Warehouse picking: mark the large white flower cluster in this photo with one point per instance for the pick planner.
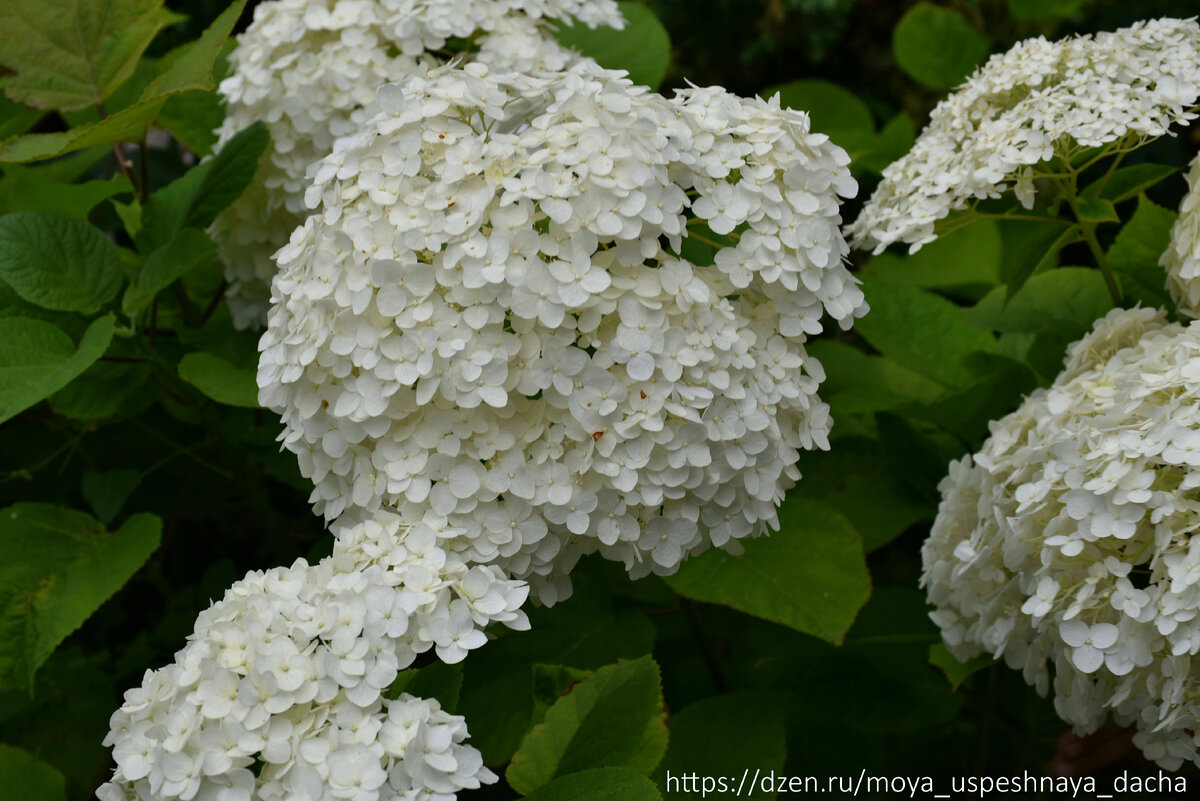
(1023, 107)
(1071, 537)
(280, 692)
(309, 70)
(1182, 256)
(486, 321)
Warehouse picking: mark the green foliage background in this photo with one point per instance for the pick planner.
(138, 478)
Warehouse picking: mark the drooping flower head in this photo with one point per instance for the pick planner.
(309, 70)
(1071, 537)
(489, 320)
(290, 672)
(1023, 108)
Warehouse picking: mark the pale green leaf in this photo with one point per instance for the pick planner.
(24, 776)
(220, 380)
(193, 118)
(1096, 210)
(190, 66)
(598, 784)
(58, 262)
(642, 48)
(57, 566)
(937, 46)
(69, 54)
(37, 359)
(614, 718)
(810, 575)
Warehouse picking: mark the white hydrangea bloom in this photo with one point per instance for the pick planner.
(1071, 536)
(1182, 256)
(309, 70)
(290, 669)
(1023, 107)
(486, 321)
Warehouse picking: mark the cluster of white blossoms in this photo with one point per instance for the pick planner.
(1182, 256)
(487, 320)
(281, 691)
(1024, 107)
(1071, 537)
(309, 70)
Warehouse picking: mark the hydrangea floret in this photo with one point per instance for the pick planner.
(282, 690)
(309, 70)
(1040, 104)
(1181, 259)
(488, 320)
(1070, 538)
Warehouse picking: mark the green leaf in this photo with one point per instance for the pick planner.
(104, 390)
(106, 491)
(729, 736)
(642, 48)
(859, 382)
(220, 380)
(1128, 182)
(190, 66)
(57, 566)
(1067, 300)
(911, 456)
(130, 215)
(26, 777)
(612, 719)
(70, 54)
(188, 249)
(956, 672)
(893, 141)
(833, 110)
(598, 784)
(921, 331)
(937, 46)
(128, 124)
(193, 118)
(1045, 9)
(1095, 210)
(16, 118)
(196, 199)
(551, 682)
(57, 262)
(966, 260)
(1030, 246)
(24, 189)
(1134, 254)
(436, 680)
(37, 359)
(810, 575)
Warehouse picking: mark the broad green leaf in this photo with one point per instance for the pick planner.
(37, 359)
(191, 65)
(106, 491)
(998, 387)
(859, 382)
(810, 575)
(1134, 254)
(921, 331)
(937, 46)
(130, 215)
(833, 110)
(57, 566)
(58, 262)
(956, 672)
(642, 48)
(584, 633)
(196, 199)
(614, 718)
(1030, 246)
(436, 680)
(551, 682)
(1045, 9)
(187, 249)
(733, 737)
(16, 118)
(104, 390)
(28, 778)
(1128, 182)
(598, 784)
(893, 141)
(911, 456)
(128, 124)
(965, 260)
(193, 118)
(24, 189)
(1096, 210)
(69, 54)
(220, 380)
(1066, 300)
